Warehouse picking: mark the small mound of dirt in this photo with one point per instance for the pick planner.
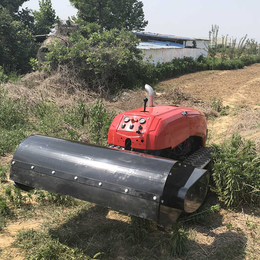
(178, 97)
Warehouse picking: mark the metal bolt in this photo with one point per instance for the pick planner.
(100, 184)
(126, 190)
(184, 166)
(154, 197)
(53, 172)
(170, 173)
(179, 164)
(162, 201)
(75, 178)
(13, 162)
(201, 188)
(32, 167)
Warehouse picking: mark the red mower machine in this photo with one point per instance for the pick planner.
(154, 167)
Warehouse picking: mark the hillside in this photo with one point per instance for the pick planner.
(83, 230)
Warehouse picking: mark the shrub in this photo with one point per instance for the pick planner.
(99, 120)
(106, 61)
(236, 171)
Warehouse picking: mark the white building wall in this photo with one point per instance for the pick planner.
(166, 55)
(200, 44)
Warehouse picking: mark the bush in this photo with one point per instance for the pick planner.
(105, 61)
(236, 171)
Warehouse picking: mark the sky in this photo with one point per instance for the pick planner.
(190, 18)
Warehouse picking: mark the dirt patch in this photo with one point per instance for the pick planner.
(7, 238)
(232, 86)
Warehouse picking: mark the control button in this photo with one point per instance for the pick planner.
(131, 126)
(140, 127)
(142, 120)
(123, 125)
(126, 119)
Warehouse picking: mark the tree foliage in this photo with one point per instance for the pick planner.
(16, 44)
(106, 60)
(12, 5)
(112, 14)
(45, 17)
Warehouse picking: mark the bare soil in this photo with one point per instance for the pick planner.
(238, 89)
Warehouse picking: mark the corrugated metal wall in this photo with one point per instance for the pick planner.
(166, 55)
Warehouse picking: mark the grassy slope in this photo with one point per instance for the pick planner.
(45, 226)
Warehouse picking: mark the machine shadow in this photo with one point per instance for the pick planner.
(119, 237)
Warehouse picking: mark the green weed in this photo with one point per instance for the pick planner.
(202, 215)
(15, 196)
(4, 210)
(9, 140)
(75, 115)
(99, 120)
(236, 171)
(3, 171)
(138, 230)
(179, 238)
(13, 113)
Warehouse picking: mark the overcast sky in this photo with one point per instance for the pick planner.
(190, 18)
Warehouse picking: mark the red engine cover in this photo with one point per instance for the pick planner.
(157, 128)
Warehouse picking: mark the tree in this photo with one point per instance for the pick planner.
(17, 44)
(23, 15)
(44, 18)
(27, 18)
(112, 14)
(12, 5)
(104, 61)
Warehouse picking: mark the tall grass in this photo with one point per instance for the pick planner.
(236, 172)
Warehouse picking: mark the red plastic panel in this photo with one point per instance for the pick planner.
(165, 126)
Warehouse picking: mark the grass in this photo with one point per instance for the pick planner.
(3, 172)
(72, 229)
(18, 120)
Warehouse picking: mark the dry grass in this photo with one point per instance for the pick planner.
(57, 87)
(178, 97)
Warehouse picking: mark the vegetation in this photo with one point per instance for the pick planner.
(107, 60)
(102, 56)
(118, 14)
(44, 18)
(17, 44)
(236, 172)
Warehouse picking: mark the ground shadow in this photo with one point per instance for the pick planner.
(121, 238)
